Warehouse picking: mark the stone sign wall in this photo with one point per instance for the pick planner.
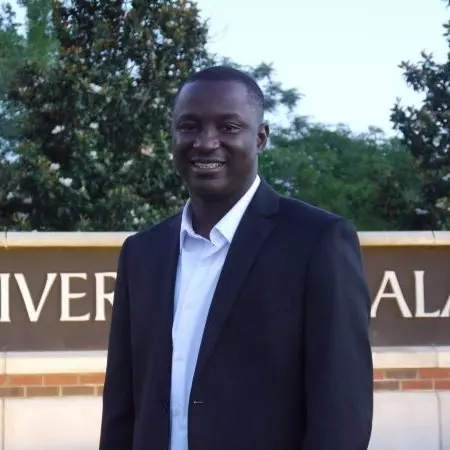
(55, 297)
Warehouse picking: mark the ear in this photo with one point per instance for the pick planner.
(263, 136)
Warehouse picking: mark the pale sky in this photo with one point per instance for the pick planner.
(342, 55)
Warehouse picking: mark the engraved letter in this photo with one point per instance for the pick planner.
(397, 294)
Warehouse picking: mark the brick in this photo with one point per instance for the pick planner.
(442, 385)
(78, 390)
(378, 374)
(92, 378)
(417, 385)
(386, 385)
(25, 380)
(401, 374)
(42, 391)
(434, 373)
(63, 379)
(12, 391)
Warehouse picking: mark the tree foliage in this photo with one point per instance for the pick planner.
(426, 133)
(19, 44)
(366, 178)
(11, 55)
(87, 92)
(95, 128)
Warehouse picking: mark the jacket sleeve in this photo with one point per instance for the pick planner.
(118, 407)
(338, 358)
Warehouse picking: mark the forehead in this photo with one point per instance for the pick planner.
(214, 98)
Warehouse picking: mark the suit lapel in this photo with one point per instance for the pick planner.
(253, 230)
(165, 281)
(167, 258)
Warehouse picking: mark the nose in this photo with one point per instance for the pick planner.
(207, 140)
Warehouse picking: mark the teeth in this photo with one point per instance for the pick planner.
(201, 165)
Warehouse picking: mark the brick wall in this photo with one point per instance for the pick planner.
(426, 379)
(51, 385)
(91, 384)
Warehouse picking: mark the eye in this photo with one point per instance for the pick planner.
(187, 126)
(231, 128)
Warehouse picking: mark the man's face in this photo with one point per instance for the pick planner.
(217, 137)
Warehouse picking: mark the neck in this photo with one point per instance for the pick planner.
(207, 212)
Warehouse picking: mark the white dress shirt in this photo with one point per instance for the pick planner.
(199, 268)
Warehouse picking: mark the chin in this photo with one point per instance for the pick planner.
(208, 189)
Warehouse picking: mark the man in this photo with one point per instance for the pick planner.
(242, 322)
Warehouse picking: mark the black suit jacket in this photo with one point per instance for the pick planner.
(285, 362)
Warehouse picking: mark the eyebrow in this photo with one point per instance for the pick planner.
(225, 116)
(232, 116)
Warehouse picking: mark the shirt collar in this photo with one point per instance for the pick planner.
(227, 226)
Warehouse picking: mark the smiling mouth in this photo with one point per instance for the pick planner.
(210, 165)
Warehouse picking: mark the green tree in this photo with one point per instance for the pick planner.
(96, 127)
(11, 53)
(19, 43)
(426, 133)
(11, 56)
(41, 45)
(366, 178)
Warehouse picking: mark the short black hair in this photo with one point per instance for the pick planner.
(227, 73)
